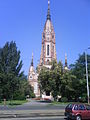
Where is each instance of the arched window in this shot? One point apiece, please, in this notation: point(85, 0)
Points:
point(47, 49)
point(47, 61)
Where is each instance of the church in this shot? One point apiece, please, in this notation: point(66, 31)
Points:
point(48, 53)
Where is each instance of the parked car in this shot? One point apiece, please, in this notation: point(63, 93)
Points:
point(77, 111)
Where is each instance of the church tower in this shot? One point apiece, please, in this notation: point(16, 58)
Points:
point(33, 79)
point(48, 50)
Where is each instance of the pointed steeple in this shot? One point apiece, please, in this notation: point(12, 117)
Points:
point(32, 60)
point(65, 60)
point(48, 13)
point(48, 50)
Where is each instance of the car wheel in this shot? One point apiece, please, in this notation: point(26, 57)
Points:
point(78, 117)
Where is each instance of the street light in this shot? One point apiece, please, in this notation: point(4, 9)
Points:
point(87, 73)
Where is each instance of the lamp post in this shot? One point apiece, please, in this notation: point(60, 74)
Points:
point(87, 74)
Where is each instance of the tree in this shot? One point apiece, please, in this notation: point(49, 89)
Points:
point(45, 80)
point(24, 90)
point(67, 82)
point(79, 70)
point(10, 69)
point(50, 79)
point(57, 73)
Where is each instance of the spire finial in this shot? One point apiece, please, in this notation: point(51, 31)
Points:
point(32, 60)
point(48, 14)
point(65, 60)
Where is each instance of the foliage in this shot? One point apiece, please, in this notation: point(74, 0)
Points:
point(10, 66)
point(70, 84)
point(79, 70)
point(50, 79)
point(11, 76)
point(44, 80)
point(64, 99)
point(67, 83)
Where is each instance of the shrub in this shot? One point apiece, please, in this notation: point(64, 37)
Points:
point(64, 99)
point(19, 96)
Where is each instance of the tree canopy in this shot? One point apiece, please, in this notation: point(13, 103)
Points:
point(10, 71)
point(67, 83)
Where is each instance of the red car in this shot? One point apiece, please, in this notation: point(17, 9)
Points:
point(77, 111)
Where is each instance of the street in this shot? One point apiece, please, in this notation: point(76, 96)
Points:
point(37, 118)
point(33, 110)
point(34, 105)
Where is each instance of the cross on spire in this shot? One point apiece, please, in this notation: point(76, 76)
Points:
point(48, 13)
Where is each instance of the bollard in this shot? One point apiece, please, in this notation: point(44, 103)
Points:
point(4, 102)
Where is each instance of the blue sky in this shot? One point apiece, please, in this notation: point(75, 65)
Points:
point(23, 21)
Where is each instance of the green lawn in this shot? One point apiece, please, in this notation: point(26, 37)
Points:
point(14, 102)
point(62, 103)
point(59, 103)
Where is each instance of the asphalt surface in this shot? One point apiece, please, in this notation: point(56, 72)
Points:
point(33, 110)
point(37, 118)
point(34, 105)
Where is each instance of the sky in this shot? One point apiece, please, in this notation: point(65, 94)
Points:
point(23, 22)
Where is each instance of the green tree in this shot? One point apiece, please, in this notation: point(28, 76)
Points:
point(45, 81)
point(79, 70)
point(24, 90)
point(50, 79)
point(67, 82)
point(57, 74)
point(10, 69)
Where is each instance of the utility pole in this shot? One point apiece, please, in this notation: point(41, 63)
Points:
point(87, 74)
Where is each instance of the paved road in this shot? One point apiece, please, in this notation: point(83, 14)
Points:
point(33, 110)
point(37, 118)
point(34, 105)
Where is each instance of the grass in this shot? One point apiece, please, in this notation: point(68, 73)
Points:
point(64, 103)
point(59, 103)
point(14, 102)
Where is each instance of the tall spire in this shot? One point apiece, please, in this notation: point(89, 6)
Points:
point(32, 60)
point(48, 13)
